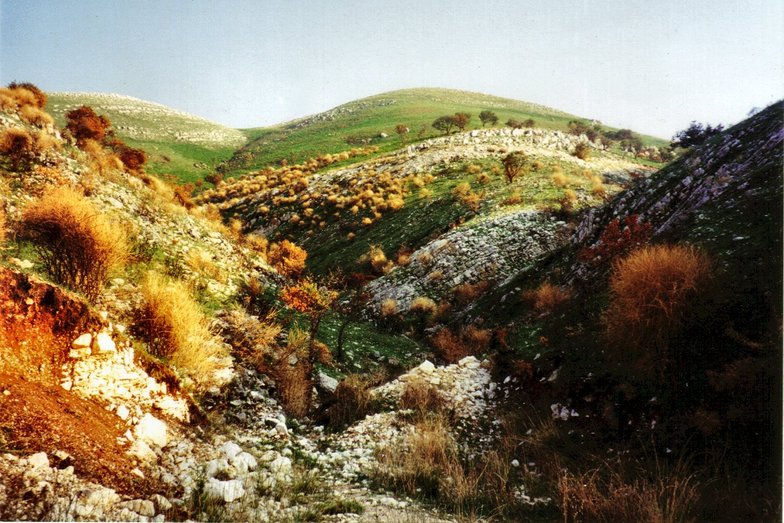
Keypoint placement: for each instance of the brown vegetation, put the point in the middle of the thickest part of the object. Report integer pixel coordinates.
(77, 245)
(547, 297)
(177, 329)
(653, 291)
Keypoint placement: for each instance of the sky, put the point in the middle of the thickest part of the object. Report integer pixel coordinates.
(652, 66)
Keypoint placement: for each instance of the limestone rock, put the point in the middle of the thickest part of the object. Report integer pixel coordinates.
(83, 341)
(104, 343)
(152, 431)
(39, 459)
(226, 491)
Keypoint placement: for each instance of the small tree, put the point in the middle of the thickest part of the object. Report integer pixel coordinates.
(461, 120)
(529, 123)
(514, 124)
(695, 134)
(488, 117)
(84, 124)
(444, 123)
(514, 164)
(402, 131)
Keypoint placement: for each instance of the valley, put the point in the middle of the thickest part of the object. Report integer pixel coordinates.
(370, 315)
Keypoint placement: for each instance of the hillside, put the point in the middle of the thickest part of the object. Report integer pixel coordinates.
(363, 122)
(496, 325)
(180, 144)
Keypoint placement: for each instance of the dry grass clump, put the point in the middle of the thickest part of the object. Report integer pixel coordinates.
(478, 338)
(177, 330)
(388, 308)
(461, 190)
(293, 374)
(2, 225)
(77, 245)
(427, 464)
(422, 306)
(513, 199)
(469, 292)
(603, 495)
(35, 116)
(202, 263)
(559, 180)
(652, 292)
(421, 397)
(352, 401)
(547, 297)
(449, 347)
(253, 338)
(379, 264)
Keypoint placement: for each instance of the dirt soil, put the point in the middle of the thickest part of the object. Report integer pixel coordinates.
(38, 322)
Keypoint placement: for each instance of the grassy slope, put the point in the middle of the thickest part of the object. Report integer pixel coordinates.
(415, 108)
(160, 131)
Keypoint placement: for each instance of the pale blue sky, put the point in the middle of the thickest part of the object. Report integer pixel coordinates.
(648, 65)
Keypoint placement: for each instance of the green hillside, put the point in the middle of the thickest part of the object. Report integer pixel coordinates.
(367, 118)
(179, 144)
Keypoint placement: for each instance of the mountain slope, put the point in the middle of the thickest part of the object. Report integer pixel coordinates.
(178, 143)
(364, 121)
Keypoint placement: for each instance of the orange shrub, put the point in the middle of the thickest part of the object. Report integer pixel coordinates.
(467, 292)
(287, 258)
(652, 291)
(449, 347)
(547, 297)
(18, 146)
(29, 93)
(76, 243)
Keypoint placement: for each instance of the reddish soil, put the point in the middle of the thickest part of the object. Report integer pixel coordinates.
(38, 322)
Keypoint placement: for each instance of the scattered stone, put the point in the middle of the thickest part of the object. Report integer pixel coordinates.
(152, 430)
(83, 341)
(104, 343)
(39, 459)
(226, 491)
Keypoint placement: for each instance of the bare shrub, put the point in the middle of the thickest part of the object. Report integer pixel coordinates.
(352, 401)
(421, 397)
(177, 329)
(19, 146)
(78, 246)
(603, 495)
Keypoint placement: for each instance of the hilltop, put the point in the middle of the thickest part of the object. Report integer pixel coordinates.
(372, 120)
(178, 143)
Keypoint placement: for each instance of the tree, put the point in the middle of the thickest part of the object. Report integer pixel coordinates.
(402, 131)
(84, 124)
(461, 120)
(488, 117)
(695, 134)
(444, 123)
(514, 124)
(514, 164)
(529, 123)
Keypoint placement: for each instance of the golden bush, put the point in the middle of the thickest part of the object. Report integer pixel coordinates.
(178, 330)
(77, 245)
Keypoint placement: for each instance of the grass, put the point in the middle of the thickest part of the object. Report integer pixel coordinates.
(415, 108)
(169, 137)
(366, 348)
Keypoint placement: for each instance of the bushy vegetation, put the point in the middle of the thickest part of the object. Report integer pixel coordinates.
(653, 290)
(77, 245)
(178, 331)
